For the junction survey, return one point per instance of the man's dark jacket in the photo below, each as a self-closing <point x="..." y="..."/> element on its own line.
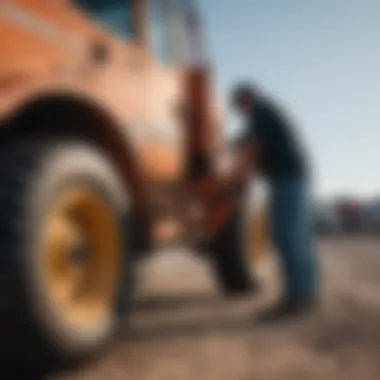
<point x="281" y="154"/>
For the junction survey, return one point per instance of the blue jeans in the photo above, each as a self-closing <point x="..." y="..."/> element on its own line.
<point x="292" y="228"/>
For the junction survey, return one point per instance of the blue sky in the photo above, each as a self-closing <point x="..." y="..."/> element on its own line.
<point x="322" y="58"/>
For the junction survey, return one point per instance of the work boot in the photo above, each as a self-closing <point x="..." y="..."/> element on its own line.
<point x="252" y="288"/>
<point x="288" y="308"/>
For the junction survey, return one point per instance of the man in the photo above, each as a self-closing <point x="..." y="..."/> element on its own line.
<point x="281" y="160"/>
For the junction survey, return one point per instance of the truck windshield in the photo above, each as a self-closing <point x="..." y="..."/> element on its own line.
<point x="115" y="15"/>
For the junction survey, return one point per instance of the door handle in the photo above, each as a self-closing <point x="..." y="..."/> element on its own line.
<point x="182" y="112"/>
<point x="100" y="52"/>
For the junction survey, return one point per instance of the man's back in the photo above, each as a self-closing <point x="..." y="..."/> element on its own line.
<point x="281" y="152"/>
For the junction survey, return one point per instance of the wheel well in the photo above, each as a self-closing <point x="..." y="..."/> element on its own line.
<point x="70" y="116"/>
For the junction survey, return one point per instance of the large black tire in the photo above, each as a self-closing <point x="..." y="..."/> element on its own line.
<point x="34" y="332"/>
<point x="231" y="263"/>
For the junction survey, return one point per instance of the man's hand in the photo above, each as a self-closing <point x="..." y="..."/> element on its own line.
<point x="242" y="164"/>
<point x="246" y="164"/>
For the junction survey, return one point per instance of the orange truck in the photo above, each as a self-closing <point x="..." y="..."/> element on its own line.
<point x="111" y="143"/>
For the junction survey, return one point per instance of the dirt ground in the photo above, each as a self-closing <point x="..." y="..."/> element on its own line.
<point x="183" y="329"/>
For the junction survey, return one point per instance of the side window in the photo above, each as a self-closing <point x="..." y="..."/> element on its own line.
<point x="158" y="16"/>
<point x="115" y="15"/>
<point x="186" y="34"/>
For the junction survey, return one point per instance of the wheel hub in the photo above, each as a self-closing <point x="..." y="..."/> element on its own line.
<point x="80" y="254"/>
<point x="82" y="248"/>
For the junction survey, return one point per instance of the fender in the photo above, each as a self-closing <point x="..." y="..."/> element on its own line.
<point x="44" y="109"/>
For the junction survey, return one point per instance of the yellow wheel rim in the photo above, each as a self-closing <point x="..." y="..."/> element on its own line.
<point x="81" y="255"/>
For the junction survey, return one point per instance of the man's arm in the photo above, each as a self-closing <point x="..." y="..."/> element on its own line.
<point x="246" y="152"/>
<point x="248" y="159"/>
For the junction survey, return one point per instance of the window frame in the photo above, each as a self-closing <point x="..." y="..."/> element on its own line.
<point x="187" y="24"/>
<point x="131" y="31"/>
<point x="165" y="59"/>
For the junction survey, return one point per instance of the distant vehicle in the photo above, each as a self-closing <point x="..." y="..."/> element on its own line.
<point x="373" y="215"/>
<point x="352" y="215"/>
<point x="327" y="220"/>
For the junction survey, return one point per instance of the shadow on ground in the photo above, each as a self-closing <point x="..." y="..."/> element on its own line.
<point x="178" y="301"/>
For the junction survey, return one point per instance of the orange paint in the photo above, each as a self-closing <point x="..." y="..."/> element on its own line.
<point x="50" y="48"/>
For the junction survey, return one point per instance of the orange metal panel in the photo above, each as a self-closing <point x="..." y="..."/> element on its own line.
<point x="47" y="45"/>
